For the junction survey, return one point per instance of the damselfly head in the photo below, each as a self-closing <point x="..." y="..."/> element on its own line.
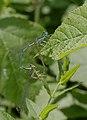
<point x="45" y="33"/>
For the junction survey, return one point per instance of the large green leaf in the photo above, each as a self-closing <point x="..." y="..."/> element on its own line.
<point x="34" y="87"/>
<point x="20" y="5"/>
<point x="78" y="2"/>
<point x="5" y="116"/>
<point x="75" y="112"/>
<point x="33" y="109"/>
<point x="80" y="95"/>
<point x="42" y="101"/>
<point x="70" y="36"/>
<point x="15" y="33"/>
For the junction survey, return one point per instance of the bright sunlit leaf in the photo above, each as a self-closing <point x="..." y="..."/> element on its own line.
<point x="70" y="36"/>
<point x="46" y="110"/>
<point x="66" y="77"/>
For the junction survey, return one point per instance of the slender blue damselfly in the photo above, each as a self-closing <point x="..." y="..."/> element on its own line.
<point x="29" y="46"/>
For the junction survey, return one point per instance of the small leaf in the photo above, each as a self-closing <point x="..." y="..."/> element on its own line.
<point x="5" y="116"/>
<point x="32" y="109"/>
<point x="66" y="77"/>
<point x="46" y="110"/>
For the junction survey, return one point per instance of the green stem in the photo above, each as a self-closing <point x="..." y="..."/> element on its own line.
<point x="41" y="58"/>
<point x="53" y="93"/>
<point x="61" y="72"/>
<point x="55" y="90"/>
<point x="37" y="11"/>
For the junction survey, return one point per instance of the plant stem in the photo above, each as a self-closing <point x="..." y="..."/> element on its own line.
<point x="41" y="58"/>
<point x="53" y="93"/>
<point x="61" y="72"/>
<point x="37" y="11"/>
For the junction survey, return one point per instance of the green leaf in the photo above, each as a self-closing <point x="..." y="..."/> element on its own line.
<point x="46" y="110"/>
<point x="15" y="33"/>
<point x="34" y="88"/>
<point x="33" y="110"/>
<point x="46" y="86"/>
<point x="66" y="90"/>
<point x="20" y="5"/>
<point x="5" y="116"/>
<point x="78" y="2"/>
<point x="75" y="112"/>
<point x="80" y="95"/>
<point x="66" y="77"/>
<point x="70" y="36"/>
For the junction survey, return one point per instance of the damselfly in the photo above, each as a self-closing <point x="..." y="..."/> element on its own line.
<point x="29" y="46"/>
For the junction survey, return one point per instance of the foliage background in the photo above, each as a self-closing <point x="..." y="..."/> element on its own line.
<point x="15" y="32"/>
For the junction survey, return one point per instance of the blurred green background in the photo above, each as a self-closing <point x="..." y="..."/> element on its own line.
<point x="49" y="14"/>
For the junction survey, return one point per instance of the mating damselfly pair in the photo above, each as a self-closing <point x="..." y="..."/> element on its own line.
<point x="37" y="43"/>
